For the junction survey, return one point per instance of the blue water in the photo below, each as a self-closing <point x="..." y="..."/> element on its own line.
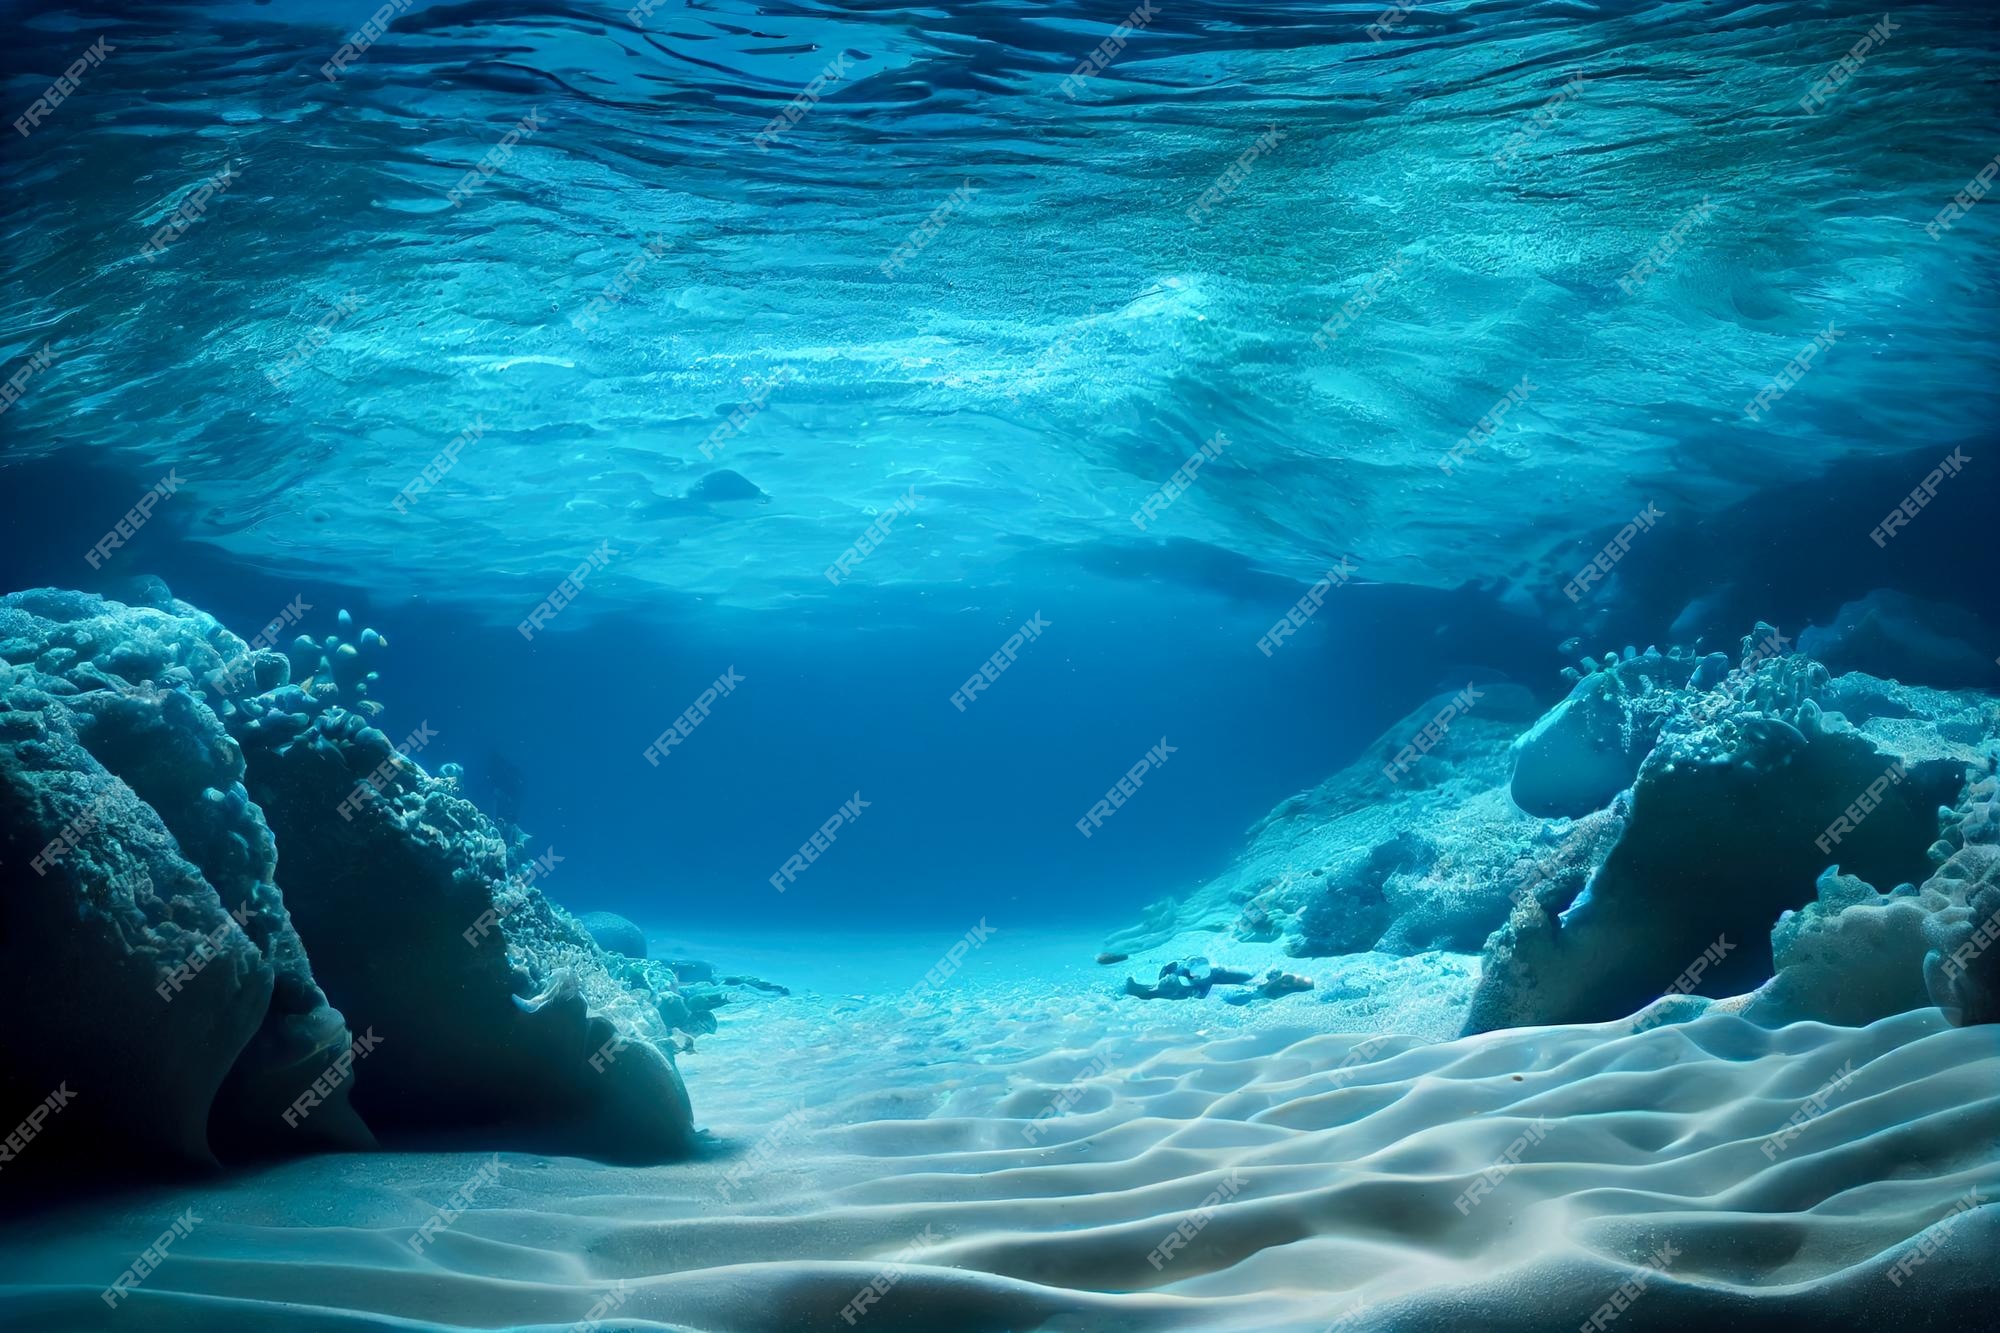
<point x="836" y="402"/>
<point x="1034" y="373"/>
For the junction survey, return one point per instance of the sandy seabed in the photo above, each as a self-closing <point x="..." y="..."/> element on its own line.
<point x="1026" y="1151"/>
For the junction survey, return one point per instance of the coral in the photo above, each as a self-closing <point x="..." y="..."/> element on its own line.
<point x="1588" y="748"/>
<point x="161" y="931"/>
<point x="503" y="1028"/>
<point x="1194" y="978"/>
<point x="1747" y="796"/>
<point x="1962" y="969"/>
<point x="1362" y="863"/>
<point x="614" y="934"/>
<point x="225" y="844"/>
<point x="1851" y="956"/>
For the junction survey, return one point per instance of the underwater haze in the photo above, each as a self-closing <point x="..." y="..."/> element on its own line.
<point x="736" y="667"/>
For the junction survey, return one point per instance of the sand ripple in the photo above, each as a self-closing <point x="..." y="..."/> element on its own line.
<point x="1262" y="1181"/>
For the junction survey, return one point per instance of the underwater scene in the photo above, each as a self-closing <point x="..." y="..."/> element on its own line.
<point x="1004" y="666"/>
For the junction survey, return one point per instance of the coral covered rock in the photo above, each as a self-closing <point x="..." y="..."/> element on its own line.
<point x="1588" y="748"/>
<point x="140" y="908"/>
<point x="1751" y="792"/>
<point x="1366" y="862"/>
<point x="196" y="845"/>
<point x="1962" y="969"/>
<point x="1851" y="956"/>
<point x="614" y="934"/>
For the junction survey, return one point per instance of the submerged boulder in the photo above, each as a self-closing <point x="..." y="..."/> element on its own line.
<point x="138" y="915"/>
<point x="192" y="847"/>
<point x="1751" y="793"/>
<point x="614" y="934"/>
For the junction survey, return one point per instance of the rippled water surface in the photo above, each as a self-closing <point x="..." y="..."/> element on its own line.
<point x="1067" y="337"/>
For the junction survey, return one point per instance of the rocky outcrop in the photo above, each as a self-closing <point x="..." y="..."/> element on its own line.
<point x="1365" y="861"/>
<point x="202" y="859"/>
<point x="1751" y="792"/>
<point x="1962" y="968"/>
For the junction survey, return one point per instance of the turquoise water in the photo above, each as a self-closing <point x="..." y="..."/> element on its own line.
<point x="1138" y="617"/>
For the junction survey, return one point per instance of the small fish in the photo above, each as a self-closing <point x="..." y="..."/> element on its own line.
<point x="1570" y="645"/>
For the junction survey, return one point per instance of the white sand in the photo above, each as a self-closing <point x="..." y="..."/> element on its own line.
<point x="1342" y="1170"/>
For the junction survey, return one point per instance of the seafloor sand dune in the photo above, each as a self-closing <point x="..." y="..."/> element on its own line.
<point x="1254" y="1178"/>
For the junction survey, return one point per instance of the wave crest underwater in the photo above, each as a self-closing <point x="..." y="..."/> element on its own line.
<point x="639" y="264"/>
